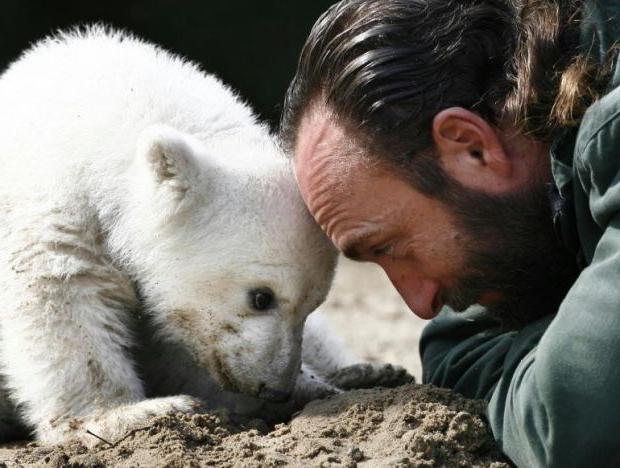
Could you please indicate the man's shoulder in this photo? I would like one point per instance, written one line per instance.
(598, 137)
(600, 31)
(601, 117)
(596, 169)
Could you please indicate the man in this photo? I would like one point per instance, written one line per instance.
(472, 149)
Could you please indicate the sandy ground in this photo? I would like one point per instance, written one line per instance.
(373, 320)
(409, 426)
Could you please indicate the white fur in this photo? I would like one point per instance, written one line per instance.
(132, 181)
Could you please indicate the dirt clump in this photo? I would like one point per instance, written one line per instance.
(408, 426)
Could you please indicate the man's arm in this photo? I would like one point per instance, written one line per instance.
(468, 351)
(558, 405)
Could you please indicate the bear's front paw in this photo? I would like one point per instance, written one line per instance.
(113, 425)
(110, 426)
(368, 375)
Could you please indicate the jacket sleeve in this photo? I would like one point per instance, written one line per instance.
(468, 352)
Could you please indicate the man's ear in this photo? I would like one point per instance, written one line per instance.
(470, 150)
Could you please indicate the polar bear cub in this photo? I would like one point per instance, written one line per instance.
(133, 183)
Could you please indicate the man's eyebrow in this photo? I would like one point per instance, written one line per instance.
(352, 245)
(350, 251)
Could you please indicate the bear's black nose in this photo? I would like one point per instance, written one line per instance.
(271, 394)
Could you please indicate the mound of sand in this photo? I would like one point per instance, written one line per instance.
(412, 425)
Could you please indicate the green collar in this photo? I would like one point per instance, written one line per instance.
(561, 154)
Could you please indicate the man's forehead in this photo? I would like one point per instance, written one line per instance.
(324, 150)
(327, 168)
(320, 139)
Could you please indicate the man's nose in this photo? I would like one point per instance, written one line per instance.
(421, 294)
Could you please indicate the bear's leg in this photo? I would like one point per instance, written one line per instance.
(326, 359)
(64, 338)
(322, 349)
(11, 425)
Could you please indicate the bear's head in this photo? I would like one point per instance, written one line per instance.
(226, 257)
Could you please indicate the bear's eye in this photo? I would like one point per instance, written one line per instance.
(262, 299)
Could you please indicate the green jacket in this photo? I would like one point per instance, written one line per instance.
(554, 386)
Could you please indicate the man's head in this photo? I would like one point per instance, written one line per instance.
(420, 145)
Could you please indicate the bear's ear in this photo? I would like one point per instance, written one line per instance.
(169, 160)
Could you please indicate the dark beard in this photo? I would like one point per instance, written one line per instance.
(514, 251)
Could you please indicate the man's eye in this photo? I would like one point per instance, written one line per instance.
(382, 250)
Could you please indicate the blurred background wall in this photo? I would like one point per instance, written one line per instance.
(251, 44)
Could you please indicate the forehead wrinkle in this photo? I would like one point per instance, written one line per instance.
(325, 182)
(328, 164)
(335, 218)
(324, 149)
(330, 192)
(323, 193)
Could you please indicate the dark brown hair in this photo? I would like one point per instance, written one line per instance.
(385, 68)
